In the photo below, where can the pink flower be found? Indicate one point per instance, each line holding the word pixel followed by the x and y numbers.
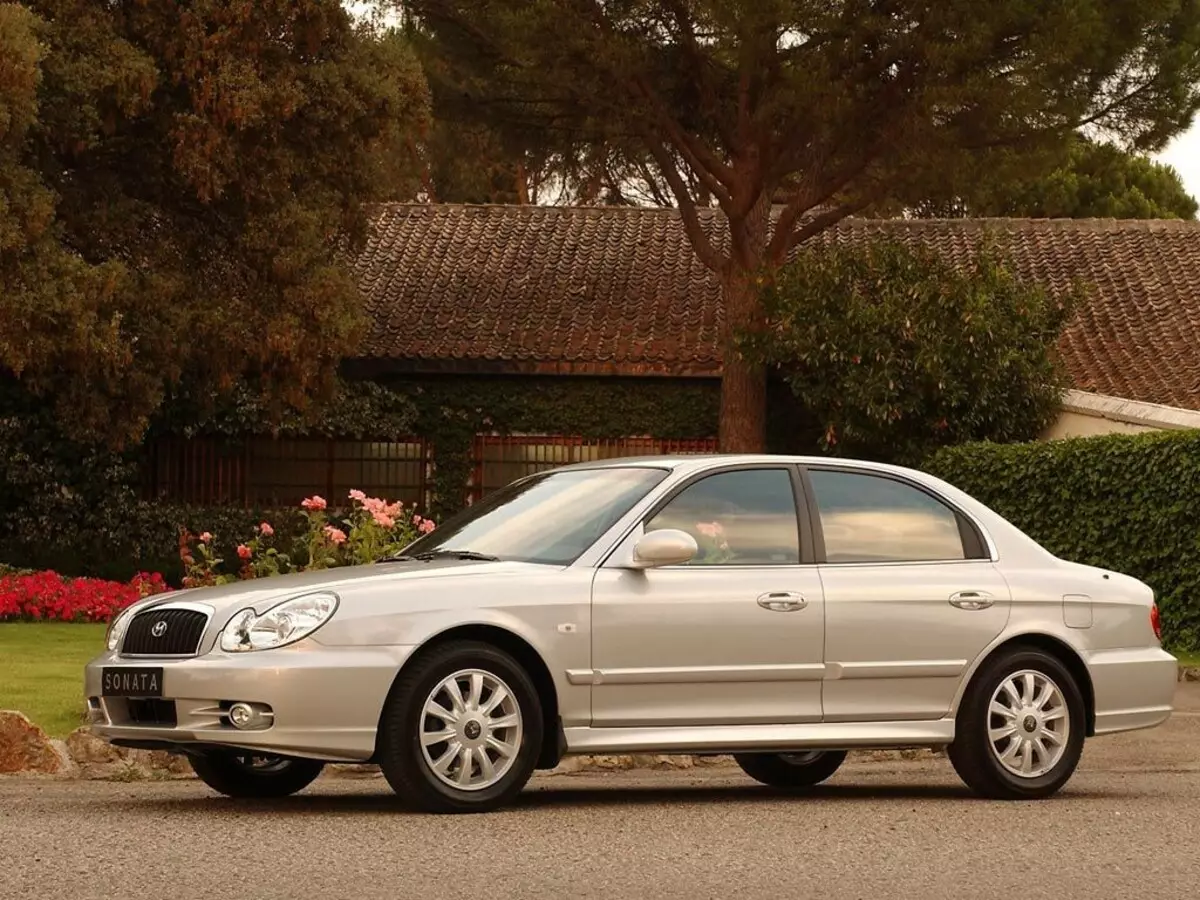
pixel 383 520
pixel 265 530
pixel 313 503
pixel 358 495
pixel 244 551
pixel 427 526
pixel 710 529
pixel 417 521
pixel 373 505
pixel 336 535
pixel 205 537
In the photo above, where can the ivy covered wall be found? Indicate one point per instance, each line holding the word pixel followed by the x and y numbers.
pixel 451 410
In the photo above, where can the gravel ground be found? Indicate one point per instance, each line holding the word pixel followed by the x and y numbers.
pixel 1126 826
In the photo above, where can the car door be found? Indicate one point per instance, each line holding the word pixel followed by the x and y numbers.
pixel 732 637
pixel 912 596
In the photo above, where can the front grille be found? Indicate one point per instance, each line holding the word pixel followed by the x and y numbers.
pixel 152 712
pixel 178 633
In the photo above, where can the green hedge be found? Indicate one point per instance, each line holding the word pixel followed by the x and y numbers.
pixel 1130 503
pixel 118 542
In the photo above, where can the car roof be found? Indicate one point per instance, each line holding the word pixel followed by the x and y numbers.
pixel 697 461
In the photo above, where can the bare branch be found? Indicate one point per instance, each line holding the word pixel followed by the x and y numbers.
pixel 701 242
pixel 820 222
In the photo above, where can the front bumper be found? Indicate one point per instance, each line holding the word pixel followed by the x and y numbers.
pixel 1133 688
pixel 317 701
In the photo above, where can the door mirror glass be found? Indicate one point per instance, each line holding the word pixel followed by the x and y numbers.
pixel 665 547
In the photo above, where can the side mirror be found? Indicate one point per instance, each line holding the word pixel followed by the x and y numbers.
pixel 667 547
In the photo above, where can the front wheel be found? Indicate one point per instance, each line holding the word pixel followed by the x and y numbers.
pixel 462 730
pixel 1020 731
pixel 791 770
pixel 248 775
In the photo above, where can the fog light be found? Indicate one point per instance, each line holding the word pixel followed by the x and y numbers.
pixel 242 715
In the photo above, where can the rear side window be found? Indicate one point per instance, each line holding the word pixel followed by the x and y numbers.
pixel 870 518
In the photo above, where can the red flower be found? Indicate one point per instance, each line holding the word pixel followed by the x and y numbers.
pixel 50 597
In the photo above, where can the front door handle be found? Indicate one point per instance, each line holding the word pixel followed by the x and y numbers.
pixel 782 601
pixel 972 600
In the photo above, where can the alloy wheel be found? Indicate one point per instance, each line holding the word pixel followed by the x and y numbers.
pixel 1029 723
pixel 471 730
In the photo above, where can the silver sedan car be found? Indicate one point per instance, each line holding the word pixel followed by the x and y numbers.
pixel 783 610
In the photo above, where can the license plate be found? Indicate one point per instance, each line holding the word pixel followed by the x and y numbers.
pixel 144 681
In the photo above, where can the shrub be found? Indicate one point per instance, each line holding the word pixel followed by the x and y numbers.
pixel 371 529
pixel 891 352
pixel 1126 503
pixel 48 596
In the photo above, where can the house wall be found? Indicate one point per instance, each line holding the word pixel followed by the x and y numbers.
pixel 1086 414
pixel 1076 424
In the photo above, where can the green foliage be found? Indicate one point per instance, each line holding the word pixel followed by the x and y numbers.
pixel 177 183
pixel 353 409
pixel 1097 180
pixel 892 352
pixel 1126 503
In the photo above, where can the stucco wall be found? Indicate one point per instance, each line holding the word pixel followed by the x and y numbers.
pixel 1075 424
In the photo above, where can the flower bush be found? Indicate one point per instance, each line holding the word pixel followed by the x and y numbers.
pixel 371 529
pixel 48 596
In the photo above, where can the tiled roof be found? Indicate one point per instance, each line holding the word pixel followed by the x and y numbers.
pixel 618 290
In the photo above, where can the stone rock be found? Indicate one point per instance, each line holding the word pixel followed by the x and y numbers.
pixel 26 748
pixel 89 750
pixel 97 759
pixel 1189 673
pixel 353 770
pixel 574 765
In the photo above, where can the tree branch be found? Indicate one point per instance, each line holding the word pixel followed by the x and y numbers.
pixel 700 241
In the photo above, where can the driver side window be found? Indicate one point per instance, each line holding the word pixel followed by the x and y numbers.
pixel 741 518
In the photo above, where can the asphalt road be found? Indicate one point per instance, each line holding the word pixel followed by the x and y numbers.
pixel 1128 825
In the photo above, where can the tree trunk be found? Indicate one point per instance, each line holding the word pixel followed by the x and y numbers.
pixel 743 425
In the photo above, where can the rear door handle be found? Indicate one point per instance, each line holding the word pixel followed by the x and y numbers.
pixel 972 600
pixel 782 601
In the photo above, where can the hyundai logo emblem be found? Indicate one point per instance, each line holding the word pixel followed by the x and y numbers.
pixel 160 628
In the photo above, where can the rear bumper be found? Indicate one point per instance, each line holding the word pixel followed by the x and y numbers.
pixel 315 701
pixel 1133 688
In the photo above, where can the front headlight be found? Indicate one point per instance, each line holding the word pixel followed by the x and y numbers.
pixel 282 624
pixel 117 627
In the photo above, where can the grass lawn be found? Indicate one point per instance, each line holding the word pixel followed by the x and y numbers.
pixel 1188 659
pixel 41 671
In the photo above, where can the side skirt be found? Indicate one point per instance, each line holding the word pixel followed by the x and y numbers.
pixel 737 738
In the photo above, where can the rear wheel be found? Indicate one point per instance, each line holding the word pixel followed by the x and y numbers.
pixel 462 730
pixel 791 770
pixel 1020 730
pixel 243 774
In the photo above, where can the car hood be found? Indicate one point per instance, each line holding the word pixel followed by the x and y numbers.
pixel 260 593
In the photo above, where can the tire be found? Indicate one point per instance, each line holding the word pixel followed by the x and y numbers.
pixel 791 770
pixel 430 775
pixel 975 757
pixel 249 776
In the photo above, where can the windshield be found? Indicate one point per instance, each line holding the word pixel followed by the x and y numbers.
pixel 550 518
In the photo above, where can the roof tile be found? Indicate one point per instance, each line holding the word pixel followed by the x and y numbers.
pixel 619 290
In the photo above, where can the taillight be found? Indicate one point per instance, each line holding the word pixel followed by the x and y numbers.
pixel 1154 621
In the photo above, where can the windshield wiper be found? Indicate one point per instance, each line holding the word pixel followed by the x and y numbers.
pixel 457 554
